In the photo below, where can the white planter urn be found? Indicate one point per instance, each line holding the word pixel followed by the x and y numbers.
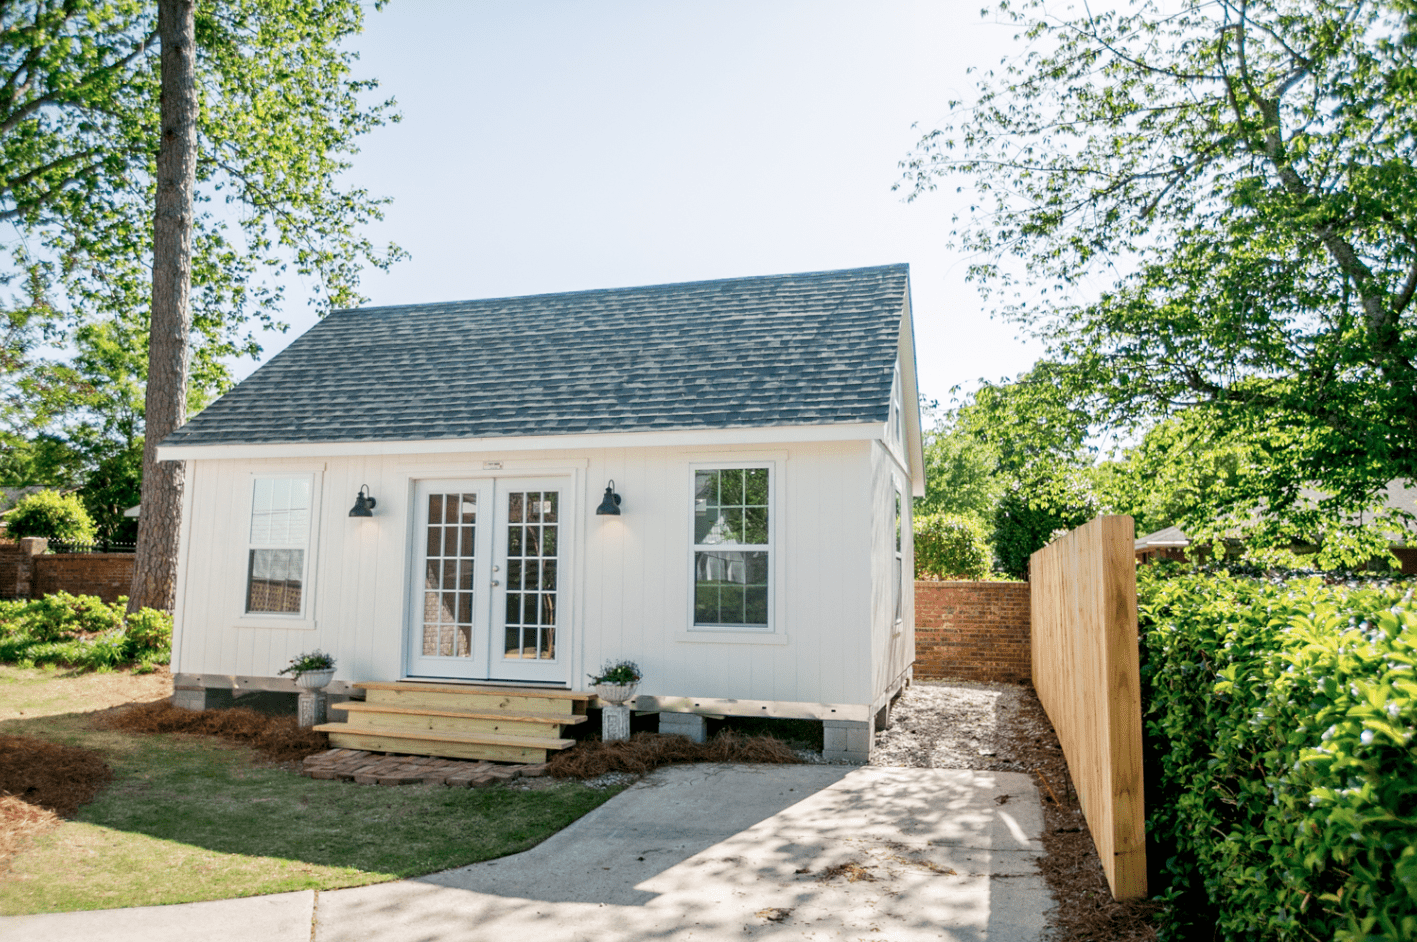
pixel 315 680
pixel 616 693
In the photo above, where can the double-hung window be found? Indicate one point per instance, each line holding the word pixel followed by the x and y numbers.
pixel 733 548
pixel 277 556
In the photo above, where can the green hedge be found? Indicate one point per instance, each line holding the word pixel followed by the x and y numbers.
pixel 949 546
pixel 1282 777
pixel 82 631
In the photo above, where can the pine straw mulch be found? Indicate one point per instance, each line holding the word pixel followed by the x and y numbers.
pixel 1086 911
pixel 644 752
pixel 40 783
pixel 278 738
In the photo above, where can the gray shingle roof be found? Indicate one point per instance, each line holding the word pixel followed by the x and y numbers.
pixel 806 349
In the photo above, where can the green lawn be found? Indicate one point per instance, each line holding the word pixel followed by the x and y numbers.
pixel 193 819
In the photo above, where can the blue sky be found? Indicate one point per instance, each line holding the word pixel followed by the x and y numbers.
pixel 559 146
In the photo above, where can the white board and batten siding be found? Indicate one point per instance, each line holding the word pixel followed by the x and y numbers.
pixel 629 589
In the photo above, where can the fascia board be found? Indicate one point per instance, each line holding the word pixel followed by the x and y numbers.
pixel 769 435
pixel 914 434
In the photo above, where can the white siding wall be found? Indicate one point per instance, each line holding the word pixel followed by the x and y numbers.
pixel 632 573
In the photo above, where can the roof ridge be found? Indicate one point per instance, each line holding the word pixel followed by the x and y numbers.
pixel 903 267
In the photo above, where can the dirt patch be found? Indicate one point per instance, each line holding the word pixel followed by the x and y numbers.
pixel 40 783
pixel 1003 728
pixel 279 738
pixel 46 692
pixel 645 752
pixel 853 872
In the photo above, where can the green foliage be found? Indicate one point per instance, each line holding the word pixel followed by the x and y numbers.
pixel 1035 508
pixel 82 631
pixel 1173 477
pixel 961 473
pixel 1210 210
pixel 1280 717
pixel 52 515
pixel 617 672
pixel 280 118
pixel 310 663
pixel 950 546
pixel 110 489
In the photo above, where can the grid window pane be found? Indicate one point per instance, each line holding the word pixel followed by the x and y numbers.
pixel 722 579
pixel 449 568
pixel 274 580
pixel 280 524
pixel 531 574
pixel 732 537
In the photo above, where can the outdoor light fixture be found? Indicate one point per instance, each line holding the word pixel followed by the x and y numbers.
pixel 610 506
pixel 364 504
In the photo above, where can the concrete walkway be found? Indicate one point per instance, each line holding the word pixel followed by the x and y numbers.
pixel 690 853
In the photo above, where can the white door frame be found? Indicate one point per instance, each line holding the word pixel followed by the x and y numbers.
pixel 489 601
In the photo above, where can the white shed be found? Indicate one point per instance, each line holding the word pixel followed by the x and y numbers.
pixel 762 434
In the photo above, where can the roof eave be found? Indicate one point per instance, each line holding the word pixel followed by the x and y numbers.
pixel 764 435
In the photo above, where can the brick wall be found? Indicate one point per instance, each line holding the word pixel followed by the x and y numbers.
pixel 107 575
pixel 17 566
pixel 972 631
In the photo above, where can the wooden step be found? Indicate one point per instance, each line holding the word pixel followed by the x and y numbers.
pixel 496 747
pixel 472 697
pixel 384 717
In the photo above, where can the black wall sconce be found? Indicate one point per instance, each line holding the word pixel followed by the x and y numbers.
pixel 610 506
pixel 364 504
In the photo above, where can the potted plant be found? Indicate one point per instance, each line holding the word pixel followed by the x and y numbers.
pixel 312 671
pixel 616 681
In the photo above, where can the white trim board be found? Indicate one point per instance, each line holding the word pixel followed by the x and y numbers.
pixel 768 435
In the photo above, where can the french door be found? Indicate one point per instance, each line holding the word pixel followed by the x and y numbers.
pixel 487 580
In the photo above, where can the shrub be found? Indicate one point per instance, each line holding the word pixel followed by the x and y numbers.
pixel 948 546
pixel 82 631
pixel 149 634
pixel 1033 511
pixel 52 515
pixel 1283 786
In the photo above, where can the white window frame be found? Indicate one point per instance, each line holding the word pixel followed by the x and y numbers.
pixel 305 618
pixel 774 633
pixel 898 574
pixel 895 429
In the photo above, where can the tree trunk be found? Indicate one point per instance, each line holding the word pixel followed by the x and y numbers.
pixel 160 521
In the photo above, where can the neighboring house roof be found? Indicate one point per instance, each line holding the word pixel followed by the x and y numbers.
pixel 1171 536
pixel 805 349
pixel 1397 497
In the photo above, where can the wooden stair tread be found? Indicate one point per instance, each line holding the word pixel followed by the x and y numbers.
pixel 550 719
pixel 471 739
pixel 485 691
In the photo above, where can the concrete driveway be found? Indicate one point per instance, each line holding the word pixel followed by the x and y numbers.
pixel 690 853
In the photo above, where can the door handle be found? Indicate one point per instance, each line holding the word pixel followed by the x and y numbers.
pixel 496 582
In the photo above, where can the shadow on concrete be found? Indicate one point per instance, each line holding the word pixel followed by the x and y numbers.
pixel 799 851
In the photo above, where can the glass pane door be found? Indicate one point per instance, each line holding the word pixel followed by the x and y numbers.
pixel 486 587
pixel 526 609
pixel 448 620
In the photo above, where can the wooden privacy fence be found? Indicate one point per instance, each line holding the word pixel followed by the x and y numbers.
pixel 1086 672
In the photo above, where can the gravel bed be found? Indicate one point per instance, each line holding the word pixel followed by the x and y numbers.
pixel 959 725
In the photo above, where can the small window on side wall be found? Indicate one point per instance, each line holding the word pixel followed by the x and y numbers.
pixel 899 573
pixel 897 409
pixel 277 544
pixel 732 549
